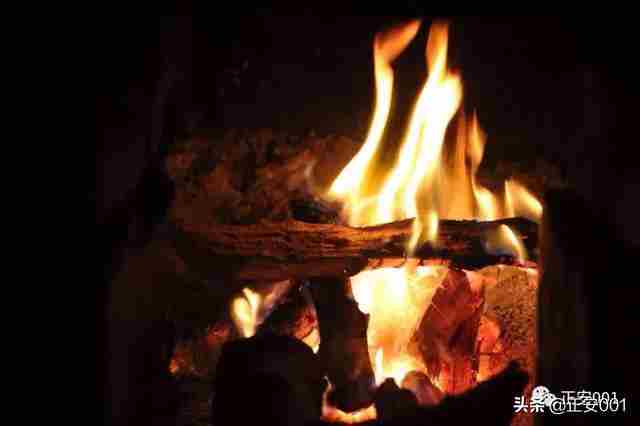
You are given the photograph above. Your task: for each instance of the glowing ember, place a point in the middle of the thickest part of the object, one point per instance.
(244, 312)
(431, 179)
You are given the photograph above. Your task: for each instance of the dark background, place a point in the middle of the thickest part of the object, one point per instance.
(560, 89)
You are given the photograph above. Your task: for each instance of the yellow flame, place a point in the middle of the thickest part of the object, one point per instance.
(386, 47)
(505, 241)
(395, 300)
(418, 160)
(396, 368)
(520, 202)
(244, 312)
(487, 203)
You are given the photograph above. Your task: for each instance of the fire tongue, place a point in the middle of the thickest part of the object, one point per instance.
(431, 178)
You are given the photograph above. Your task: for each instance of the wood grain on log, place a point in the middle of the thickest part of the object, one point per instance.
(294, 249)
(446, 336)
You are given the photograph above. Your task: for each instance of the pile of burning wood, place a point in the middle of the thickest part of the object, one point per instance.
(386, 292)
(482, 314)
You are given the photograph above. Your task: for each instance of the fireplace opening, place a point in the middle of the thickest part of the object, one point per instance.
(398, 271)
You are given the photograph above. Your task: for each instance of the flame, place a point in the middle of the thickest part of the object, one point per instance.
(520, 202)
(397, 368)
(386, 47)
(430, 179)
(244, 312)
(395, 300)
(487, 203)
(249, 309)
(504, 241)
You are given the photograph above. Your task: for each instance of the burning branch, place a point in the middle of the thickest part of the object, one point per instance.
(293, 249)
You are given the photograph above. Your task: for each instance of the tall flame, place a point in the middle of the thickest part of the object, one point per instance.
(430, 179)
(386, 48)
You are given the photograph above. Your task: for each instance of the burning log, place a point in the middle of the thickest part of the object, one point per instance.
(295, 316)
(282, 250)
(343, 348)
(446, 336)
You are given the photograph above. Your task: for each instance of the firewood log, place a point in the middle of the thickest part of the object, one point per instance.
(446, 336)
(343, 344)
(267, 379)
(294, 249)
(294, 316)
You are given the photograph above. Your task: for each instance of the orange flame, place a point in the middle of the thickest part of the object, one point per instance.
(521, 202)
(429, 180)
(244, 312)
(386, 47)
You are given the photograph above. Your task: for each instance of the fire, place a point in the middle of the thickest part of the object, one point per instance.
(521, 203)
(431, 179)
(397, 368)
(395, 299)
(505, 241)
(250, 308)
(244, 312)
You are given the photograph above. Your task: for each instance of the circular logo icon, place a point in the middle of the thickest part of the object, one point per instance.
(543, 395)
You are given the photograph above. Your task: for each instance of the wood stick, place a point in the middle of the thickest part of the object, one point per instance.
(294, 249)
(344, 350)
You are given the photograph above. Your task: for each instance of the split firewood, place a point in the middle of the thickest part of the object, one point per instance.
(294, 316)
(446, 336)
(343, 350)
(511, 310)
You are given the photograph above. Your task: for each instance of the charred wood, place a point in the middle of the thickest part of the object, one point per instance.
(343, 350)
